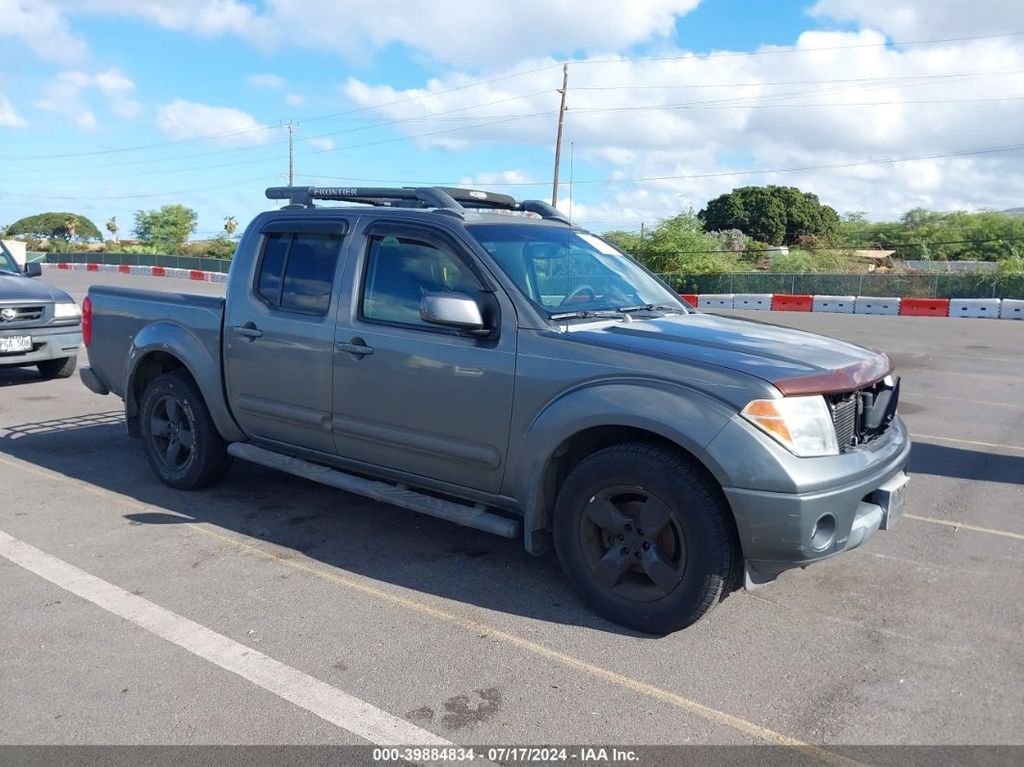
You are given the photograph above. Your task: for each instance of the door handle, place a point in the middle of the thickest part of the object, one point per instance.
(248, 330)
(359, 349)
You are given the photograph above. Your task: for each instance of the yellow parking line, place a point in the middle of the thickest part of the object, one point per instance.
(621, 680)
(965, 526)
(968, 442)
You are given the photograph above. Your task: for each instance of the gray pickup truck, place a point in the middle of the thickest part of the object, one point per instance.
(479, 359)
(40, 325)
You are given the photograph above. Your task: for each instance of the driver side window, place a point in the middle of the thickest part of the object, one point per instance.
(400, 271)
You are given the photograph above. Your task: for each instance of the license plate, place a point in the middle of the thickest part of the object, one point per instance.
(16, 344)
(892, 497)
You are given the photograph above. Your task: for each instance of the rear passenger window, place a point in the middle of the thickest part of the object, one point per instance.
(297, 271)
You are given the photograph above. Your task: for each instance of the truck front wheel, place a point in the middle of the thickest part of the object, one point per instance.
(182, 444)
(645, 537)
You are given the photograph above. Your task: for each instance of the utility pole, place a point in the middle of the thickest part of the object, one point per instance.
(558, 141)
(291, 164)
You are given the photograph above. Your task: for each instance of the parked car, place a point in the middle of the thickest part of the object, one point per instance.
(40, 325)
(434, 350)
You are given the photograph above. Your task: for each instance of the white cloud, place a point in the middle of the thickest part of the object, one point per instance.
(42, 28)
(450, 31)
(267, 82)
(294, 100)
(187, 120)
(322, 144)
(9, 117)
(515, 176)
(68, 95)
(927, 19)
(856, 101)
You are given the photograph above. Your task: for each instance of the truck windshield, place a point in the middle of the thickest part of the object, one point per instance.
(7, 263)
(571, 272)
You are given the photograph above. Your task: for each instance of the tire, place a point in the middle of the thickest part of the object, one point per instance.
(657, 580)
(183, 446)
(62, 367)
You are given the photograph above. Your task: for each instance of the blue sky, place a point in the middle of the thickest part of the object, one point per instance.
(108, 106)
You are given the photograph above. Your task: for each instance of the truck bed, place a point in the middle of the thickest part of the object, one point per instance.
(119, 314)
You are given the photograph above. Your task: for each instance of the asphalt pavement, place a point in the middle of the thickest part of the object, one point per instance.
(912, 638)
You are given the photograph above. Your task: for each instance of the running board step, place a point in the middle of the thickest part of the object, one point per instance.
(469, 516)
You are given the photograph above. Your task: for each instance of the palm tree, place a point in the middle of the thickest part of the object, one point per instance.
(230, 225)
(70, 228)
(113, 228)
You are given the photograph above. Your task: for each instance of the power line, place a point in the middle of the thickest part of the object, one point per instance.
(681, 86)
(794, 49)
(279, 123)
(613, 180)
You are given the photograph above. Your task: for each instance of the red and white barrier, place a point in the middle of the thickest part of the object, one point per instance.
(146, 271)
(1007, 308)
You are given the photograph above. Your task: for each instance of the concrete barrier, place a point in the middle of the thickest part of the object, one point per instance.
(974, 307)
(716, 300)
(782, 302)
(875, 305)
(924, 307)
(1011, 309)
(760, 301)
(838, 304)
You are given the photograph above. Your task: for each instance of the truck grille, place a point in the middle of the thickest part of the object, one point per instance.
(21, 314)
(863, 415)
(844, 418)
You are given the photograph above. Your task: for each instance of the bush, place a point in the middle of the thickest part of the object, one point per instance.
(799, 261)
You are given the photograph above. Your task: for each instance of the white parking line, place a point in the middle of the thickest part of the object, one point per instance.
(339, 708)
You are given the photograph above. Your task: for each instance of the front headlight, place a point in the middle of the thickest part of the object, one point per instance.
(66, 310)
(803, 425)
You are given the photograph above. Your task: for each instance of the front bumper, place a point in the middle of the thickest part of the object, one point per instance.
(47, 344)
(851, 492)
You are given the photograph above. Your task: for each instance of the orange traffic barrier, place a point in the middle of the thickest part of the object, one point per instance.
(786, 303)
(924, 307)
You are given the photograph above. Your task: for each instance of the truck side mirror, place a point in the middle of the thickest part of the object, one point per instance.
(453, 310)
(33, 269)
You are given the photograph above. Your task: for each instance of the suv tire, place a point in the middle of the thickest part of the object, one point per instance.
(659, 579)
(183, 446)
(62, 367)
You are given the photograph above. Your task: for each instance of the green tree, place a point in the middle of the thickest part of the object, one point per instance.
(677, 244)
(113, 227)
(167, 228)
(67, 227)
(230, 225)
(778, 215)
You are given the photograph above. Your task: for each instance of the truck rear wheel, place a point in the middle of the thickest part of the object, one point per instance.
(182, 443)
(62, 367)
(645, 537)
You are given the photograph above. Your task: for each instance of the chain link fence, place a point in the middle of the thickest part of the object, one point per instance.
(142, 259)
(897, 285)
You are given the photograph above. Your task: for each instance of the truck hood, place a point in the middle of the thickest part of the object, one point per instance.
(16, 288)
(794, 361)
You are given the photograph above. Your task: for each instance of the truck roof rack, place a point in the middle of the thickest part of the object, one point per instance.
(449, 200)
